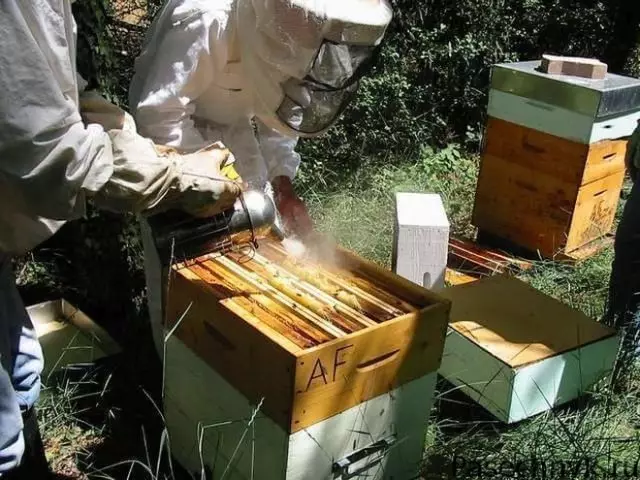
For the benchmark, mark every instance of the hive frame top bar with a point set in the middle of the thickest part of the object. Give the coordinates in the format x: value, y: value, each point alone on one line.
x: 419, y: 299
x: 614, y: 95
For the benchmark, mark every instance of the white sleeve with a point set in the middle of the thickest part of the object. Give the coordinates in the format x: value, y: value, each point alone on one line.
x: 175, y: 74
x: 278, y: 152
x: 49, y: 160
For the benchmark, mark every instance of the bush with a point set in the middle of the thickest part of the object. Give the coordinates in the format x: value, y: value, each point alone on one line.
x: 431, y: 83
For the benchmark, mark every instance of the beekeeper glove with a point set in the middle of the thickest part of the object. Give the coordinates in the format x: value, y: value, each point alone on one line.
x: 149, y: 178
x: 293, y: 211
x: 632, y: 158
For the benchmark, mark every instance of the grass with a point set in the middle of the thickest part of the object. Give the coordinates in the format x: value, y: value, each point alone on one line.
x: 358, y: 212
x: 599, y: 428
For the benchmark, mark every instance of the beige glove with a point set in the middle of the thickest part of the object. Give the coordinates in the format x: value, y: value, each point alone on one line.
x: 94, y: 108
x: 200, y: 180
x: 147, y: 177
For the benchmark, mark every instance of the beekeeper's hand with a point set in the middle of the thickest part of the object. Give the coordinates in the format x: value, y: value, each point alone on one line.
x: 293, y: 210
x: 201, y: 181
x: 632, y: 159
x: 147, y: 178
x: 94, y: 108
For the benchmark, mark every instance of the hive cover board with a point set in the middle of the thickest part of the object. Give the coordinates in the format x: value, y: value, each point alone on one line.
x: 615, y: 95
x: 518, y: 352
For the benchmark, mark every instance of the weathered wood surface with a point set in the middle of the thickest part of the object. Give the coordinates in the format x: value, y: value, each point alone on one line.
x: 470, y: 257
x: 541, y: 212
x: 572, y: 162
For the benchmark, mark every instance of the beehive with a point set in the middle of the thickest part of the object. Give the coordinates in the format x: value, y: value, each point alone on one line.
x: 313, y: 343
x: 553, y: 158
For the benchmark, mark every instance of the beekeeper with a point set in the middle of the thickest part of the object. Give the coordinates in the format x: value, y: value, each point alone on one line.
x: 257, y: 75
x: 59, y: 148
x: 623, y: 309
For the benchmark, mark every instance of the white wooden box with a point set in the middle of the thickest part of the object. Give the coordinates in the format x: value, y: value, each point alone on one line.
x: 421, y: 239
x: 518, y: 352
x: 210, y: 431
x: 559, y: 121
x: 68, y: 336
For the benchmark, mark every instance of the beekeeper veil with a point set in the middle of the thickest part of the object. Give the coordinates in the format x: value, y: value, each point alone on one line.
x: 304, y: 58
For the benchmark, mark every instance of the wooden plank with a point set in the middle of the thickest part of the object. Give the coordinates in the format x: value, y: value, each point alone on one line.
x: 421, y: 236
x: 569, y: 161
x: 356, y: 319
x: 495, y: 256
x: 366, y: 272
x: 261, y: 306
x: 348, y: 371
x: 595, y: 211
x: 474, y: 258
x: 518, y: 324
x: 294, y: 317
x: 325, y: 315
x: 304, y: 311
x: 533, y: 211
x: 587, y: 251
x: 344, y: 268
x: 235, y: 347
x: 454, y: 277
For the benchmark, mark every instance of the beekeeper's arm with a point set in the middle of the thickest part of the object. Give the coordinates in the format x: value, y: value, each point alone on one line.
x: 162, y: 104
x: 50, y: 162
x: 282, y: 163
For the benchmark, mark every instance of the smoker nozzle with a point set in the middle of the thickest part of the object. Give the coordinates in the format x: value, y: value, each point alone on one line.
x: 253, y: 217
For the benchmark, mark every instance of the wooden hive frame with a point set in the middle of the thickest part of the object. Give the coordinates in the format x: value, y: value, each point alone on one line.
x: 311, y: 340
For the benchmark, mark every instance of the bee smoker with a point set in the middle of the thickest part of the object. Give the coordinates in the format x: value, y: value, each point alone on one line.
x: 181, y: 237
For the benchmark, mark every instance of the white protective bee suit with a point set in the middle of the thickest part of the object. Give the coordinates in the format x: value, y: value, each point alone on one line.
x: 58, y: 148
x: 255, y: 74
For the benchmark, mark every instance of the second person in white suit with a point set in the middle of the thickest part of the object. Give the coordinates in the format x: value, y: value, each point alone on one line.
x: 255, y: 75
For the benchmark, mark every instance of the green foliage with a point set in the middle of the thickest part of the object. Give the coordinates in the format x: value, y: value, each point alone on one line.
x: 97, y: 58
x: 430, y: 86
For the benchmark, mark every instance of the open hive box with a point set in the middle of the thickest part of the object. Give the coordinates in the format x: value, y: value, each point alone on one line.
x: 339, y: 360
x: 312, y: 339
x: 68, y: 336
x: 518, y: 352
